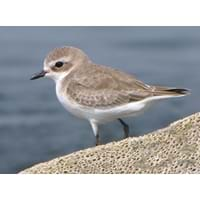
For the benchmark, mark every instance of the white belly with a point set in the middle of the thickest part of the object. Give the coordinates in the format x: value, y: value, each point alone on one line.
x: 100, y: 115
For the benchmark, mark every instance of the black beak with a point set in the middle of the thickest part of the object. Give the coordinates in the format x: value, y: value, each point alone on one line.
x: 38, y: 75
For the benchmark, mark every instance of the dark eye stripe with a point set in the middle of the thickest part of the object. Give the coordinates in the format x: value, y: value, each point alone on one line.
x: 59, y: 64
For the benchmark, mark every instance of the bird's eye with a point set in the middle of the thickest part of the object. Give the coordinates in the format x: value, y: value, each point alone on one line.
x: 59, y: 64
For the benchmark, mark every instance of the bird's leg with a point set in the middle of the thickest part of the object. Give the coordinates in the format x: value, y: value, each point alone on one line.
x: 125, y: 127
x: 97, y: 139
x: 95, y: 131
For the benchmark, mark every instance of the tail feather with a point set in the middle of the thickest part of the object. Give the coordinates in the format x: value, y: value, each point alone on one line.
x: 171, y: 91
x: 179, y: 91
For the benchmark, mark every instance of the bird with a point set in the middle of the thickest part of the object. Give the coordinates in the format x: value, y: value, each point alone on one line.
x: 98, y: 93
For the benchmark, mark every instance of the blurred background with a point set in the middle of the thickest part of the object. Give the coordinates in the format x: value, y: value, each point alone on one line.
x: 34, y: 127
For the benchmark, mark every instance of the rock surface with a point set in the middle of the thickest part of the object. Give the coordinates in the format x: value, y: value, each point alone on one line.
x: 174, y: 149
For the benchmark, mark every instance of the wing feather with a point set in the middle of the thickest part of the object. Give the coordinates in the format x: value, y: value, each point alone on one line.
x: 105, y: 87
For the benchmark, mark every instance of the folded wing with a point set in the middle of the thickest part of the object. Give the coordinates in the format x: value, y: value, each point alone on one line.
x: 105, y: 87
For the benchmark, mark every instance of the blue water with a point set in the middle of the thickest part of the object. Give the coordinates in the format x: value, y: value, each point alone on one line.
x: 34, y: 127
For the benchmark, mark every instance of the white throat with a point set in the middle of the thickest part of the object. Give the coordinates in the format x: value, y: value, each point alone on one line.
x: 57, y: 77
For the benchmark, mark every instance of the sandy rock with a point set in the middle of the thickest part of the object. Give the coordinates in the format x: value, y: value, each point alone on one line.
x: 174, y: 149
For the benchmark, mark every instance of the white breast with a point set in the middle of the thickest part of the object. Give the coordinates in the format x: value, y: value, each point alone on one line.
x: 68, y: 104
